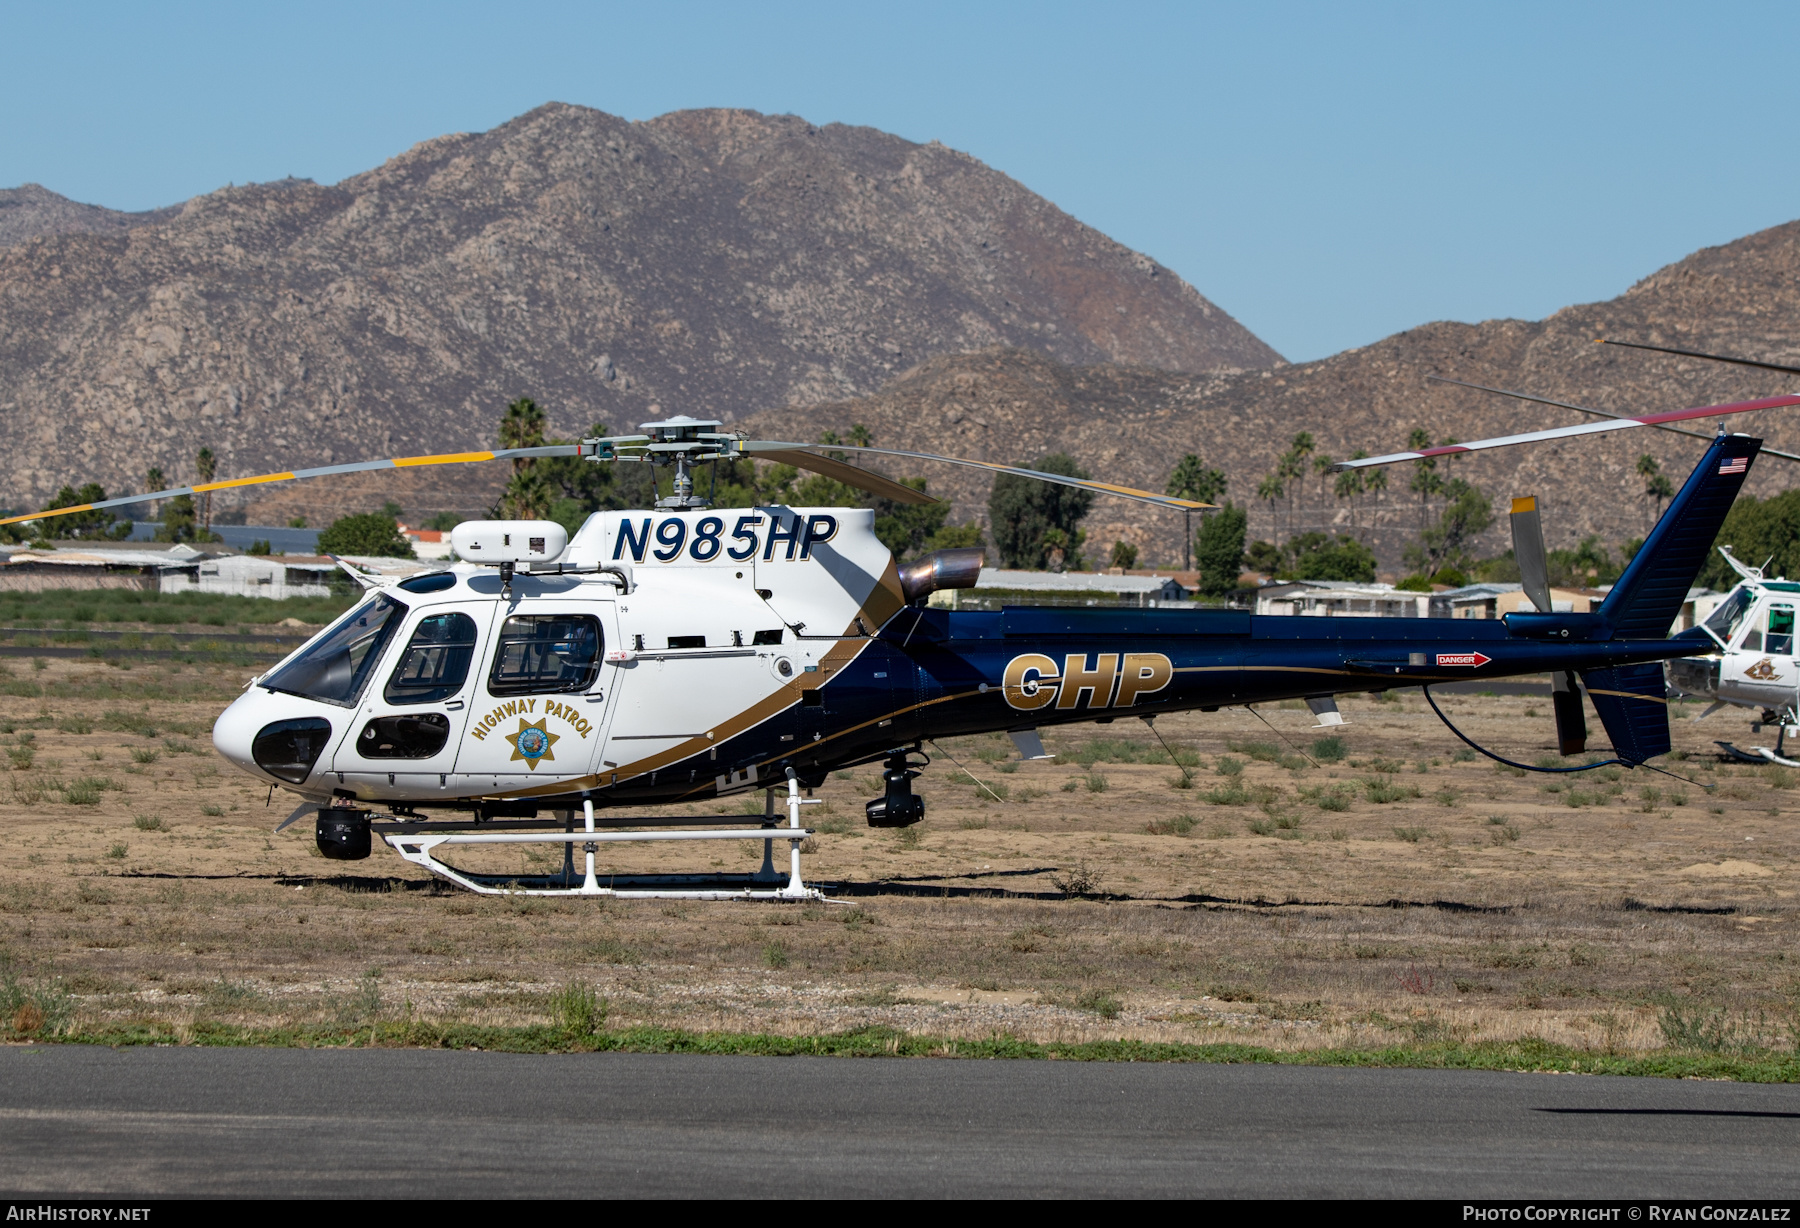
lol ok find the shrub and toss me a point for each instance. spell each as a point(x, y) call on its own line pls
point(1412, 835)
point(1080, 880)
point(1381, 792)
point(579, 1010)
point(1328, 749)
point(1180, 825)
point(1101, 1003)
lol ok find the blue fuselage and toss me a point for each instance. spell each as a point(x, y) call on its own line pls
point(938, 673)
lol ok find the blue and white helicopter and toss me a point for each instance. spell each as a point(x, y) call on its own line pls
point(688, 653)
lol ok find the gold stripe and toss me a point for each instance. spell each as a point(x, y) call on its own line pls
point(1649, 699)
point(55, 511)
point(1525, 503)
point(267, 477)
point(448, 458)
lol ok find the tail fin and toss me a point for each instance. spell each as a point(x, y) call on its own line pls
point(1644, 603)
point(1647, 598)
point(1630, 702)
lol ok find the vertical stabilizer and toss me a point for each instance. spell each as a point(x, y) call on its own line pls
point(1644, 603)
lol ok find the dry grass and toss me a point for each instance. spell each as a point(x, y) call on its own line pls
point(1397, 894)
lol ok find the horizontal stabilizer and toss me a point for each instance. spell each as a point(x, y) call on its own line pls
point(1631, 705)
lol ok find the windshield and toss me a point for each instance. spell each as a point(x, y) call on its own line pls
point(335, 669)
point(1724, 621)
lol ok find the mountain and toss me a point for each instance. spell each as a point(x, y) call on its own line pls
point(1129, 424)
point(31, 211)
point(713, 263)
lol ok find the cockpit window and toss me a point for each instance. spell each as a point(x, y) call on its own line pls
point(336, 668)
point(1781, 631)
point(1724, 621)
point(540, 654)
point(436, 662)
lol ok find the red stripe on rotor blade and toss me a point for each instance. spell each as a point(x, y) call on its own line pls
point(1717, 411)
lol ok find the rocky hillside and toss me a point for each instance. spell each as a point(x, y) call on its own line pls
point(708, 262)
point(1129, 424)
point(31, 211)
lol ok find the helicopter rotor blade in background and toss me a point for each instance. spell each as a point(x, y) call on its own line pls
point(848, 474)
point(762, 448)
point(1534, 578)
point(1599, 413)
point(1565, 432)
point(1664, 349)
point(292, 475)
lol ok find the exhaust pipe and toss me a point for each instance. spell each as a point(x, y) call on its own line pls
point(942, 569)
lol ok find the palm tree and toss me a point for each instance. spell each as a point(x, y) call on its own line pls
point(1270, 489)
point(522, 427)
point(153, 480)
point(1295, 463)
point(1656, 485)
point(1193, 480)
point(207, 466)
point(1426, 480)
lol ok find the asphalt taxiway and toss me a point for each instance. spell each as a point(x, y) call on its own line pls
point(410, 1123)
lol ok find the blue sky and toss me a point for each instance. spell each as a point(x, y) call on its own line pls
point(1329, 174)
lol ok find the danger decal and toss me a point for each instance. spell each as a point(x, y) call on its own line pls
point(1466, 659)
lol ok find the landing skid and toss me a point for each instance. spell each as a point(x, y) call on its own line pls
point(1763, 754)
point(421, 847)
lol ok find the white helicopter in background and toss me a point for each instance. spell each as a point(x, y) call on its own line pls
point(1755, 666)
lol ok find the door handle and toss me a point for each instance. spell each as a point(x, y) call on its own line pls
point(595, 697)
point(454, 705)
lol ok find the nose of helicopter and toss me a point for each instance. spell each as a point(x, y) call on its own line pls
point(235, 730)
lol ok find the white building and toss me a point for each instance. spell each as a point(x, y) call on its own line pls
point(998, 587)
point(92, 565)
point(273, 576)
point(1341, 599)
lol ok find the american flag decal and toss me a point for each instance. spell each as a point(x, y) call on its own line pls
point(1735, 464)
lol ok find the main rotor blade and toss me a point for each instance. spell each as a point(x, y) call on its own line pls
point(848, 474)
point(1529, 553)
point(293, 475)
point(1565, 432)
point(1105, 488)
point(1599, 413)
point(1664, 349)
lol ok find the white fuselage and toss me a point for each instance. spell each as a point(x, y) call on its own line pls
point(731, 614)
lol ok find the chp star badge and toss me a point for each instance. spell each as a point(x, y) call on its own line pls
point(532, 743)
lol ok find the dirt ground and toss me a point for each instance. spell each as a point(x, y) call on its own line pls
point(1405, 891)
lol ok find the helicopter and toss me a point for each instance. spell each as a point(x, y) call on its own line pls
point(685, 654)
point(1752, 663)
point(1749, 659)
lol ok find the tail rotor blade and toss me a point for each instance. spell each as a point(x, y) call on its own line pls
point(1528, 549)
point(1571, 718)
